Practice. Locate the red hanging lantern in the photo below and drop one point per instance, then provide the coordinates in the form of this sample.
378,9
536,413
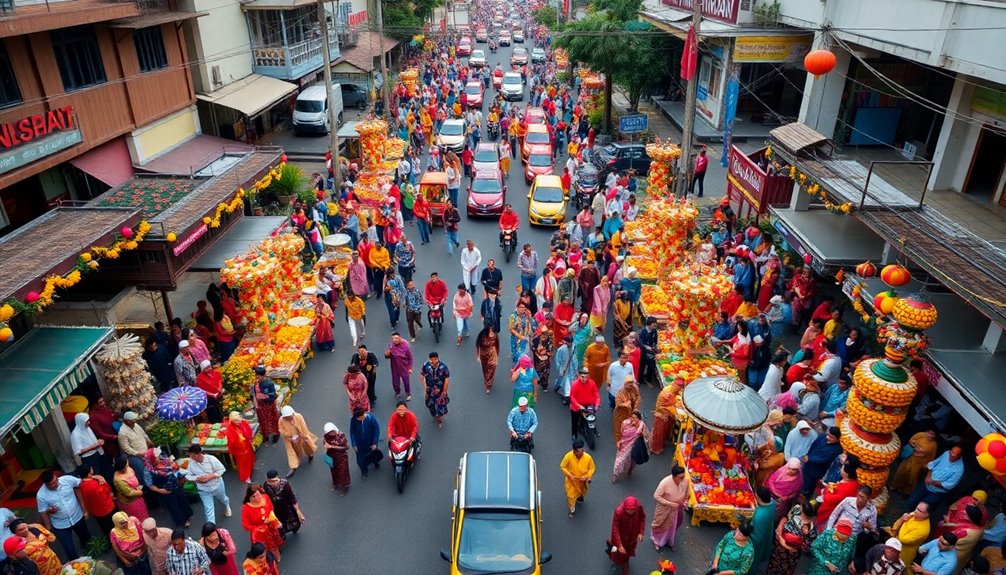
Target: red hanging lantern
819,62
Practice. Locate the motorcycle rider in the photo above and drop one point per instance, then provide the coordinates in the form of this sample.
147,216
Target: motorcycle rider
403,423
582,393
509,220
435,292
493,124
523,422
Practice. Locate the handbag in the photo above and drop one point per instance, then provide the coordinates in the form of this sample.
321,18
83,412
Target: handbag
329,461
640,453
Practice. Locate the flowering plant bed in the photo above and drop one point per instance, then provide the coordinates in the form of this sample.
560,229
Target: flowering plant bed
153,195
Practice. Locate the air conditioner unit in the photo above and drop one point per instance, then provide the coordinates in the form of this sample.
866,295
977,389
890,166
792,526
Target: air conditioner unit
348,39
215,75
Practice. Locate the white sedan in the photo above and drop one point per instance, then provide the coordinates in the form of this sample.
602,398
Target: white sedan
478,59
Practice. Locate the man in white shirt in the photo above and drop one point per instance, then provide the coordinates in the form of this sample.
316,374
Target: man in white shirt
61,507
830,368
618,372
471,258
403,171
207,472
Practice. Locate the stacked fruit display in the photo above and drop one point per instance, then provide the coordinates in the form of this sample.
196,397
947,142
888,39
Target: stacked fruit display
662,158
121,365
408,78
373,133
666,226
718,471
696,293
268,279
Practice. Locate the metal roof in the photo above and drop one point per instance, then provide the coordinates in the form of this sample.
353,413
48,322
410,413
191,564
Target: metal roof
497,480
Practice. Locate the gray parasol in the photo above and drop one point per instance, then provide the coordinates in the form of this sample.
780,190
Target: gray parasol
724,404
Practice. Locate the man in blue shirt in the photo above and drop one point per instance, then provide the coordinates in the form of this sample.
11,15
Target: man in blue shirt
723,329
522,421
835,399
944,474
364,435
940,556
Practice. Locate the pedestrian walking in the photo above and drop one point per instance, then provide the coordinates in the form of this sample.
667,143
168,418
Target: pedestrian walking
367,363
220,548
264,397
763,524
358,274
284,502
129,489
795,533
337,456
185,556
300,442
413,308
356,317
491,310
161,476
324,318
380,260
597,358
259,561
832,550
627,527
632,429
527,262
671,496
564,368
524,378
734,554
542,346
394,296
487,348
451,218
400,354
471,259
158,541
436,379
356,388
59,504
239,445
364,436
207,472
578,468
463,306
258,517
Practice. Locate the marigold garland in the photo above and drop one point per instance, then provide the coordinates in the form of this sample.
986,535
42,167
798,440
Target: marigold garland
813,189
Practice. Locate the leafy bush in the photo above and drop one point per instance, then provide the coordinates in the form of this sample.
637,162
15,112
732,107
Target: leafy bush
291,182
167,433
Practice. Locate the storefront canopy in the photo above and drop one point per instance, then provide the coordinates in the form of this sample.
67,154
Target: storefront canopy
244,234
41,369
250,95
831,239
109,162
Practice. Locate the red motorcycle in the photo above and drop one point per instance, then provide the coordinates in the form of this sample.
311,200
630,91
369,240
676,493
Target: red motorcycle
403,453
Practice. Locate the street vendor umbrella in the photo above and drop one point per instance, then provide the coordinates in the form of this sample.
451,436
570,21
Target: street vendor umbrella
724,404
181,403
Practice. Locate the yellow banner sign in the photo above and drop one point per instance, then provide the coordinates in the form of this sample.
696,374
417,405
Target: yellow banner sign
771,48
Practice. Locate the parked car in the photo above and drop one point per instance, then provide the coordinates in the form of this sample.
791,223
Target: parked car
621,157
519,56
354,96
539,162
505,38
452,136
473,92
487,156
513,87
547,202
496,517
311,113
486,193
537,55
518,36
477,59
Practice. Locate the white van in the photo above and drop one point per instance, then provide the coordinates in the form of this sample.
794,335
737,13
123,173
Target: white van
311,114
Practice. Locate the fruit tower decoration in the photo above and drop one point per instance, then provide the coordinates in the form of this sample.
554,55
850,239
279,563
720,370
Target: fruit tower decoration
373,132
883,388
121,365
696,293
267,277
665,225
662,158
409,78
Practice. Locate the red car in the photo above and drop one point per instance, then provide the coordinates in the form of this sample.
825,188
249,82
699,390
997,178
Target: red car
473,93
539,162
464,47
486,193
533,116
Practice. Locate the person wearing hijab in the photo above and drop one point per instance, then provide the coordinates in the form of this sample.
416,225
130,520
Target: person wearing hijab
671,496
239,445
799,440
785,484
956,516
831,551
163,480
524,379
87,446
665,415
129,545
337,457
299,439
627,527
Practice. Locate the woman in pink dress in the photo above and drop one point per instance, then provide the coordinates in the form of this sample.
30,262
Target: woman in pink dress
323,318
599,306
632,428
356,388
127,490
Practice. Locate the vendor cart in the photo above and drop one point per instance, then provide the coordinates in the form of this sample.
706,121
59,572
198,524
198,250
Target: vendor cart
349,142
434,187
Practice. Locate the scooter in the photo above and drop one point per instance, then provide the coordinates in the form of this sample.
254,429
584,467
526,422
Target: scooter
521,444
494,131
403,453
509,243
588,425
584,195
436,317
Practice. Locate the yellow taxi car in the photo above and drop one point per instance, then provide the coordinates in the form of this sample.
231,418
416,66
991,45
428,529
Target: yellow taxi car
496,518
547,205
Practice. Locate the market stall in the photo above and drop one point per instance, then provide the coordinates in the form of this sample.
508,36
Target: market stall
719,410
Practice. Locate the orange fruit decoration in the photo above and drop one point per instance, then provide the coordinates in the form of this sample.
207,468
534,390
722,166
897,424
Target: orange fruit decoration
895,275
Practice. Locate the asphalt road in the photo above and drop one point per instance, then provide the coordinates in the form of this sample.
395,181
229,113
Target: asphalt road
374,529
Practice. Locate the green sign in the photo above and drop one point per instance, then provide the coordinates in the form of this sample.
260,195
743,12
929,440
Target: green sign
989,101
38,149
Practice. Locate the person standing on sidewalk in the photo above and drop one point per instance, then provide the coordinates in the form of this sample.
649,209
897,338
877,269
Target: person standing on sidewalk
699,174
207,472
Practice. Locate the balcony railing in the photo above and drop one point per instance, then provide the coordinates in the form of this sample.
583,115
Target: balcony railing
293,61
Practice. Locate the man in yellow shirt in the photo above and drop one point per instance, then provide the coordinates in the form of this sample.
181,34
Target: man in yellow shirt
356,312
380,260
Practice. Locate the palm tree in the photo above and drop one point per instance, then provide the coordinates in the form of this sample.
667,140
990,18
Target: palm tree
599,40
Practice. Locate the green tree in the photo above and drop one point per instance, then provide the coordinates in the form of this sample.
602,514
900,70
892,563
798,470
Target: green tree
545,16
619,10
405,18
649,60
598,40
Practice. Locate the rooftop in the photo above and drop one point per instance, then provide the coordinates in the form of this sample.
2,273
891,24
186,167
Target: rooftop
498,479
18,19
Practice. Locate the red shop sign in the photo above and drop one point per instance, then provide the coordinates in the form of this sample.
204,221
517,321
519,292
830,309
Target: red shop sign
188,241
14,134
719,10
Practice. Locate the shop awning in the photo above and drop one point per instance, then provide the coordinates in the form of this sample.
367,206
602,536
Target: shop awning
193,155
245,233
41,369
831,239
109,162
250,95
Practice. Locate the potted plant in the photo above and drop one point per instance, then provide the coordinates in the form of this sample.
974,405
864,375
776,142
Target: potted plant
290,183
168,434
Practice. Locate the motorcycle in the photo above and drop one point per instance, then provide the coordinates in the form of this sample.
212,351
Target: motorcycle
497,82
436,318
509,243
494,131
403,453
521,444
588,425
584,195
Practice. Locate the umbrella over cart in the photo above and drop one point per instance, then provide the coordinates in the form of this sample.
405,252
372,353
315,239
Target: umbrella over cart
181,403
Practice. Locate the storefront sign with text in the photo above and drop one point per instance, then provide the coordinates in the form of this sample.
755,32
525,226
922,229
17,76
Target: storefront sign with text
37,126
719,10
37,149
187,242
771,48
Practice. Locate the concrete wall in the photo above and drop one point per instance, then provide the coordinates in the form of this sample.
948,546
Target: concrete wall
218,39
942,33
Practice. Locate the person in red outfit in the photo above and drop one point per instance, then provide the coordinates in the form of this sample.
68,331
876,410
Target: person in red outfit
627,527
97,495
403,423
239,445
582,393
212,382
436,290
102,418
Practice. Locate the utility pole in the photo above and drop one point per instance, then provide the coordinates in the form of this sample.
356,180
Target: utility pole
386,85
333,123
690,97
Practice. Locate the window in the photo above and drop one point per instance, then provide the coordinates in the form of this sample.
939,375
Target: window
78,57
150,49
9,92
